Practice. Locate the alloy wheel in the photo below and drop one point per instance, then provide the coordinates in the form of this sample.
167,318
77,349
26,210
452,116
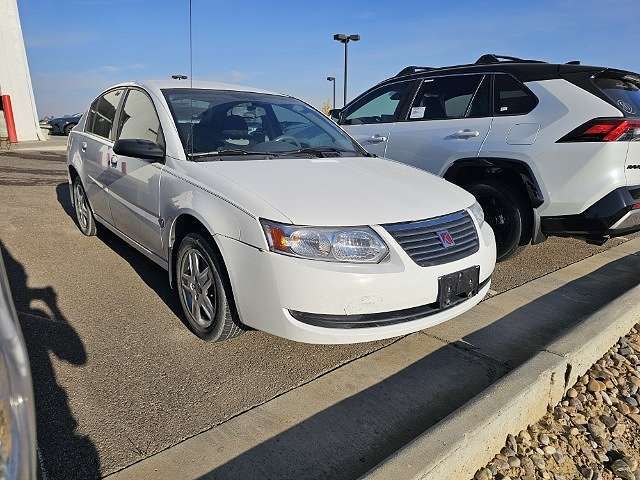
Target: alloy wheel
82,208
197,288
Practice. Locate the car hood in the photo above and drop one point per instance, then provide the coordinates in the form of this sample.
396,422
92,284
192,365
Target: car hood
335,191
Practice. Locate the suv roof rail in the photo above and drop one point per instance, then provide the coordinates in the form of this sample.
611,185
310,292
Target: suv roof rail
413,69
490,58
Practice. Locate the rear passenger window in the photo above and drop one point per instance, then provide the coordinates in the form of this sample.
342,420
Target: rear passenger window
444,98
138,119
511,98
380,106
102,114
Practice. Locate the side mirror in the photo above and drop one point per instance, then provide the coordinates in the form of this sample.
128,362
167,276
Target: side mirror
138,148
334,113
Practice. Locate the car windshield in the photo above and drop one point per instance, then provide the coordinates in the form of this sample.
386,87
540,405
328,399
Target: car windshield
222,122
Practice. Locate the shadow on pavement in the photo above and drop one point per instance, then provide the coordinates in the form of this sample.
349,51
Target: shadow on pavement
64,199
153,275
347,439
66,454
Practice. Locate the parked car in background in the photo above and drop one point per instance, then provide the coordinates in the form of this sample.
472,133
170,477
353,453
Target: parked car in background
17,411
63,125
266,214
547,149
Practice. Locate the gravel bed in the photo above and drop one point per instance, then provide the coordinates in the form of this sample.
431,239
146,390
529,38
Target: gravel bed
593,434
5,443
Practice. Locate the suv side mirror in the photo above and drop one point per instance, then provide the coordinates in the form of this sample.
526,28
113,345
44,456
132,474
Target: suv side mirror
334,113
138,148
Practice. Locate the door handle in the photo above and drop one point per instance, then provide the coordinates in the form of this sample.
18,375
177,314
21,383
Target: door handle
466,133
113,161
83,146
377,138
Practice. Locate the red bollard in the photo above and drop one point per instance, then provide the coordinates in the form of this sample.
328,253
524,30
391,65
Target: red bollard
8,116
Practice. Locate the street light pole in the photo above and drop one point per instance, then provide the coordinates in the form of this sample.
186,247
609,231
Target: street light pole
345,39
333,80
344,87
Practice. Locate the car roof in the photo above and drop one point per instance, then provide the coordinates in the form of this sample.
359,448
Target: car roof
525,71
157,86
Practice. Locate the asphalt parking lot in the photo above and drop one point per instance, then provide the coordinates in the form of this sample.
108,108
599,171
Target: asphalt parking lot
117,376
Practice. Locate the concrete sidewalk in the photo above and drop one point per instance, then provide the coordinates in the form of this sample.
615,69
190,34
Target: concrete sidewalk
344,423
51,144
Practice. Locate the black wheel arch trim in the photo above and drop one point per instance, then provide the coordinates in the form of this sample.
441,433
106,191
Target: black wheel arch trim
534,192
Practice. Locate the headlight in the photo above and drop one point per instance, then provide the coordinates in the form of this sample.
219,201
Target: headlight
331,244
476,211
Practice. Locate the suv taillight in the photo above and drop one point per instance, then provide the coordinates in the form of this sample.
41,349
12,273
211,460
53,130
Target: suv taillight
605,130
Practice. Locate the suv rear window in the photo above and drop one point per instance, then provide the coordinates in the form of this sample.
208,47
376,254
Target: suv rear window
622,90
511,97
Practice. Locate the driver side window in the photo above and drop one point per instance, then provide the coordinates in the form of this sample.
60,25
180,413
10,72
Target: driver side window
380,106
138,119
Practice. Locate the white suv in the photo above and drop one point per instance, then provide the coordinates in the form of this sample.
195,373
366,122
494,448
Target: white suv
547,149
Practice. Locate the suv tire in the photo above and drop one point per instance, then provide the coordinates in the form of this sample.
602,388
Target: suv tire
506,211
198,279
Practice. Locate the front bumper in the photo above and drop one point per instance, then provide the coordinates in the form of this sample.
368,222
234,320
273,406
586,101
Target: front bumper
613,215
270,288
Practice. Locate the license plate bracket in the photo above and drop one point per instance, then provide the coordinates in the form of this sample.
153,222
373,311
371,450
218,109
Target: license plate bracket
457,287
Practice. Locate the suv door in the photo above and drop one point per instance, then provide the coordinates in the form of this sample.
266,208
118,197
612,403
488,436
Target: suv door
449,119
96,150
134,193
370,118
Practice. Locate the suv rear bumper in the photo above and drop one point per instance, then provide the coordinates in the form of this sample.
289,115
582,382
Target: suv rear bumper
615,214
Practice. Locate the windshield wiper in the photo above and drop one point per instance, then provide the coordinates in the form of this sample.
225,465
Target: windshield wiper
226,152
319,151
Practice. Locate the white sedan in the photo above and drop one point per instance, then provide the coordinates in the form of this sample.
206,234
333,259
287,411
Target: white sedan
267,215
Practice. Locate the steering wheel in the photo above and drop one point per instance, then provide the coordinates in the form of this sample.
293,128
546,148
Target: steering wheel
288,139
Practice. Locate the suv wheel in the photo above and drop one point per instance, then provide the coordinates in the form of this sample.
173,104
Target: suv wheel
507,213
84,215
201,291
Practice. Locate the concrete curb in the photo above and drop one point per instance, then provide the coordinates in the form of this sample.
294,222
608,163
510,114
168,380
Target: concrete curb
468,438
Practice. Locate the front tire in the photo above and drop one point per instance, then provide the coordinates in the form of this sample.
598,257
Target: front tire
84,216
201,291
507,213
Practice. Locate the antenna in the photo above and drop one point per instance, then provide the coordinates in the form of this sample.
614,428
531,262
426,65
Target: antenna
190,142
190,49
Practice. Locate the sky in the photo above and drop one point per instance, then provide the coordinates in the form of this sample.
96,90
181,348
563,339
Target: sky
76,48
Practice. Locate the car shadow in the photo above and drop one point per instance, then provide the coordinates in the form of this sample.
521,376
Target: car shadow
153,275
350,437
64,199
65,453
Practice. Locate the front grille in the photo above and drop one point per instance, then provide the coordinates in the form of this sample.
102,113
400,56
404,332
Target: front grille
420,240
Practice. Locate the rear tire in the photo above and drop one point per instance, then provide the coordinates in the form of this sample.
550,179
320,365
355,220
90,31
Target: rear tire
84,215
506,211
201,290
67,129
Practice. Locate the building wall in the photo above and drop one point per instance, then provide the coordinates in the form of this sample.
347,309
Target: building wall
15,79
